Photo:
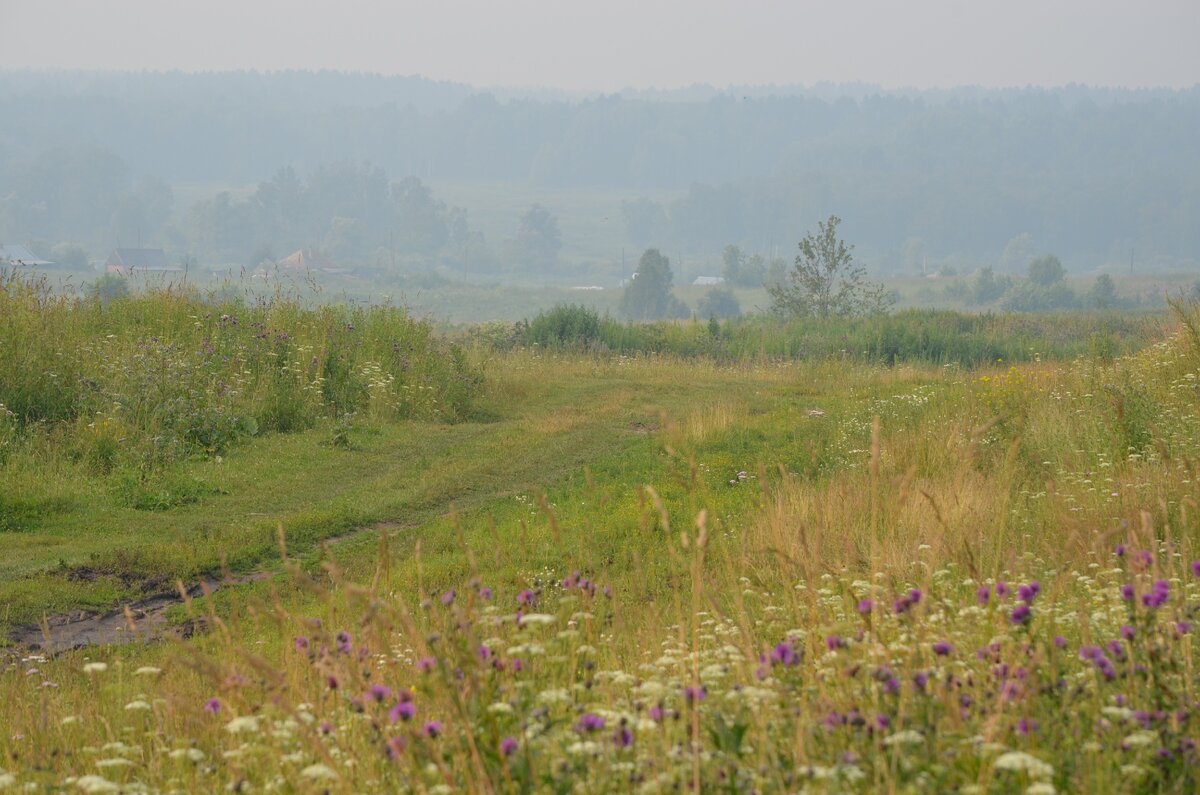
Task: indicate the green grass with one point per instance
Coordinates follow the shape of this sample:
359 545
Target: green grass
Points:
727 517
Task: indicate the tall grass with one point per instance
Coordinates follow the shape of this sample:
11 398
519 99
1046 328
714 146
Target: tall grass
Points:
914 336
991 589
132 385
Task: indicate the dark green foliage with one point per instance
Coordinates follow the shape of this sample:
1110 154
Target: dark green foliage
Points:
648 294
564 326
1046 271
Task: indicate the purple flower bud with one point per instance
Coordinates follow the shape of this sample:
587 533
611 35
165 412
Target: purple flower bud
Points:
1196 567
914 596
485 593
1060 642
1120 550
396 746
589 722
1020 614
1001 590
344 642
433 728
379 693
865 606
983 594
426 664
693 695
1127 592
657 714
834 642
1127 632
212 706
404 710
943 649
623 737
301 643
508 746
525 597
448 597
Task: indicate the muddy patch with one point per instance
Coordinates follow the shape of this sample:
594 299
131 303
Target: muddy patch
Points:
144 621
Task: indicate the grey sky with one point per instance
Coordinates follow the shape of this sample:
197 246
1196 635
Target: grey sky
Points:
617 43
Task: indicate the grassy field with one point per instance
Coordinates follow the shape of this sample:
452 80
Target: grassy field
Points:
640 573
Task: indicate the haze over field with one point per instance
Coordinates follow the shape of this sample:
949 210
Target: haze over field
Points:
550 143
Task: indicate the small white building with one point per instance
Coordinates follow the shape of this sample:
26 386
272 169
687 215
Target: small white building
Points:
708 281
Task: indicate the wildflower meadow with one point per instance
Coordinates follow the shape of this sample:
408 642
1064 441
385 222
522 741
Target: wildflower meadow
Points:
587 571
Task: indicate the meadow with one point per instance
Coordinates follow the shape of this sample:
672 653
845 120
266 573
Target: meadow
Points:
584 566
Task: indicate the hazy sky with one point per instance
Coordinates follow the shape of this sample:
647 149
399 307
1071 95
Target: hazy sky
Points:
611 44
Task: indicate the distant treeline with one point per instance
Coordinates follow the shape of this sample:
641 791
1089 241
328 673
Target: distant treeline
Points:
1094 176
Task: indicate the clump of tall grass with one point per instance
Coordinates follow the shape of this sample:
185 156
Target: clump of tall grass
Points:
151 378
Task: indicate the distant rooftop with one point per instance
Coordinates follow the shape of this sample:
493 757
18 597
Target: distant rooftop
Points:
15 252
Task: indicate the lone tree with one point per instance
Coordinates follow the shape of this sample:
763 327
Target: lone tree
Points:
825 281
648 296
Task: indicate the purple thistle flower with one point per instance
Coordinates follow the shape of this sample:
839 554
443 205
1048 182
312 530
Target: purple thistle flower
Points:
485 593
1026 593
332 681
1144 558
657 714
1060 642
834 642
378 693
921 680
525 597
784 654
1183 627
1127 632
301 643
882 722
433 729
426 664
983 594
943 649
865 606
212 706
623 737
1127 592
1119 551
694 694
589 722
396 746
1001 590
404 710
1089 652
1196 567
518 664
326 727
914 596
448 597
344 642
508 746
1020 614
891 685
1027 727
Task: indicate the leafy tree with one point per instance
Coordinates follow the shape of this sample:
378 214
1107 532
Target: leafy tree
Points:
987 287
648 295
826 282
1046 271
538 239
741 270
70 255
719 303
1103 294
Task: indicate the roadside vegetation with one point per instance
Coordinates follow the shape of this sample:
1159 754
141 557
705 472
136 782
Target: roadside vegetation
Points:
836 567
